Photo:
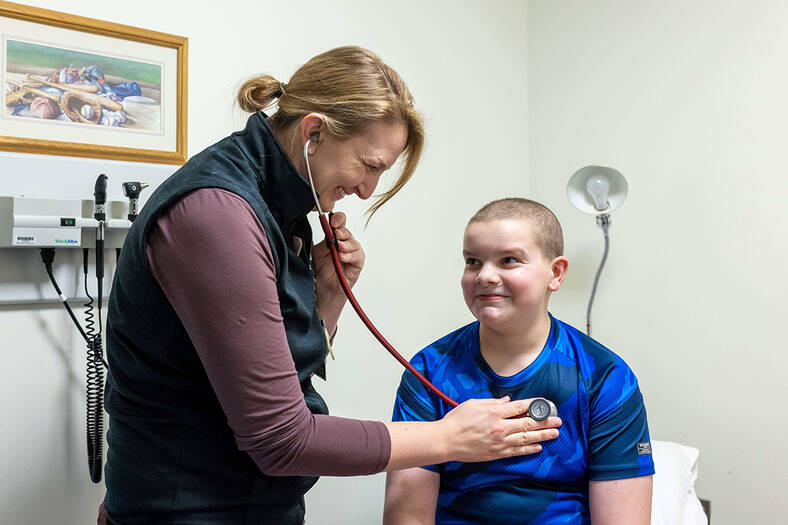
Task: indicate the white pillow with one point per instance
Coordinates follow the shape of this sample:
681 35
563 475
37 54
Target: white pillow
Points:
693 512
674 501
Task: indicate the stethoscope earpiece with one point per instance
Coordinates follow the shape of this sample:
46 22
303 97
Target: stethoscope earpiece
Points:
314 138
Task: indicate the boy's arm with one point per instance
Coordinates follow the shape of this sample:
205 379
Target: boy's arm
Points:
411 497
620 464
620 501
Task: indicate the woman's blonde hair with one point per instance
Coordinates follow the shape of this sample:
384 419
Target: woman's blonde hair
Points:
351 86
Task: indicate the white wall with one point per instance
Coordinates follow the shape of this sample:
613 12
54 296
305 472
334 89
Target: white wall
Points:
688 100
464 62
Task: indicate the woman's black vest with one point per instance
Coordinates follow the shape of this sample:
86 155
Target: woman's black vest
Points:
171 455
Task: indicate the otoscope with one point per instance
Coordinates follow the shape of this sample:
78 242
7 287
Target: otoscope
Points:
132 191
539 409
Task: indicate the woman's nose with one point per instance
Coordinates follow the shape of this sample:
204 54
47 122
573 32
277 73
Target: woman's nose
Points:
367 187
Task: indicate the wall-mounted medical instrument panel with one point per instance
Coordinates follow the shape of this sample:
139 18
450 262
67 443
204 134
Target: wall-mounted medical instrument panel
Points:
59 223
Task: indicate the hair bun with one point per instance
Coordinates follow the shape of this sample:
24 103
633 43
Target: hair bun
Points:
259 92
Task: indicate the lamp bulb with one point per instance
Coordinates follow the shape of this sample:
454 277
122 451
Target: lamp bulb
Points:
598 187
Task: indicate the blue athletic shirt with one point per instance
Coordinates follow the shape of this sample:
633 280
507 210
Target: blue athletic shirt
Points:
604 435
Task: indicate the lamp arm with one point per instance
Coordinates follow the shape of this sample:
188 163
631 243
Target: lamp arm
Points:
603 220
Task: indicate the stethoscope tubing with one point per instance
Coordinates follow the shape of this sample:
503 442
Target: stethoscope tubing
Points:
332 243
332 246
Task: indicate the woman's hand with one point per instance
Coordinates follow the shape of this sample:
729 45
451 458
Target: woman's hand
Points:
477 430
489 429
330 296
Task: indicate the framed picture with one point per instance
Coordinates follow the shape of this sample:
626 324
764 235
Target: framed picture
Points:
88 88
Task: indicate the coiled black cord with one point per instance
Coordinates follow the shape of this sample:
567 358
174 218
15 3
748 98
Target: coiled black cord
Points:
95 372
89 324
95 383
95 409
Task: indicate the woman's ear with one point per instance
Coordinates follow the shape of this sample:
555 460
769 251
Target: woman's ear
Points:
558 268
310 128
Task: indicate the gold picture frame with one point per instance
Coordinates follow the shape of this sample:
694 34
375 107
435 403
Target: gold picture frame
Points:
83 87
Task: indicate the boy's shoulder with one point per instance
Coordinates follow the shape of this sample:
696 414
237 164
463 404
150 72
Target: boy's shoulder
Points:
450 345
602 370
584 349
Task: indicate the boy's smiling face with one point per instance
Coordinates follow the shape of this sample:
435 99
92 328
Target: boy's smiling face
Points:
507 278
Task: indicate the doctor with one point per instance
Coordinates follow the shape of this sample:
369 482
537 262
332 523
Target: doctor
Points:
222 307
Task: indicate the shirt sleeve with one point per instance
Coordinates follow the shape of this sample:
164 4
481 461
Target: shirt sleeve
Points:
619 442
210 255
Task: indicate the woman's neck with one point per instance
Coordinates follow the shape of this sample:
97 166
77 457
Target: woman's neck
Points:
286 137
508 351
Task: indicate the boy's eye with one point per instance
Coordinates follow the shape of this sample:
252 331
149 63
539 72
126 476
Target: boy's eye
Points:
470 261
511 260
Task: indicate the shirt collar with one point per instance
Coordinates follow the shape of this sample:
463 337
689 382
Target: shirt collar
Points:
282 187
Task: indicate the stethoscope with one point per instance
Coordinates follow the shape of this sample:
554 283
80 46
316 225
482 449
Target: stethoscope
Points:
539 409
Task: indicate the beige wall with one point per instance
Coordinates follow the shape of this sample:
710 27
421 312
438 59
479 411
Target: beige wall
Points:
688 100
465 63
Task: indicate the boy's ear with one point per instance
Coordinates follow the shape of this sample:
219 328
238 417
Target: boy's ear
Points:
558 268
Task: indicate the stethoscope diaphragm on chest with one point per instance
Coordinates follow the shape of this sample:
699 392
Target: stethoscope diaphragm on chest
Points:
541 408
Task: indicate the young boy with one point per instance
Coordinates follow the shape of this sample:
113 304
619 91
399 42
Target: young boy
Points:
599 468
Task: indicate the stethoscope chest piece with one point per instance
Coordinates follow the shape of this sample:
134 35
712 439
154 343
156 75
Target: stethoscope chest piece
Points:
541 408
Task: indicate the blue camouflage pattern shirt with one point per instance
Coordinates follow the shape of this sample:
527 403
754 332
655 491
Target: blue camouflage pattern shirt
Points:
604 435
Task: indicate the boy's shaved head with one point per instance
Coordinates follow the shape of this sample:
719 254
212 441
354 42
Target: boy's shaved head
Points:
549 236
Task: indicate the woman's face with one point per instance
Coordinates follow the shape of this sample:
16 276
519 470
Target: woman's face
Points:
354 165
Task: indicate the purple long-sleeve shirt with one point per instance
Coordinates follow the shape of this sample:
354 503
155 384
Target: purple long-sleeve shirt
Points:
210 254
